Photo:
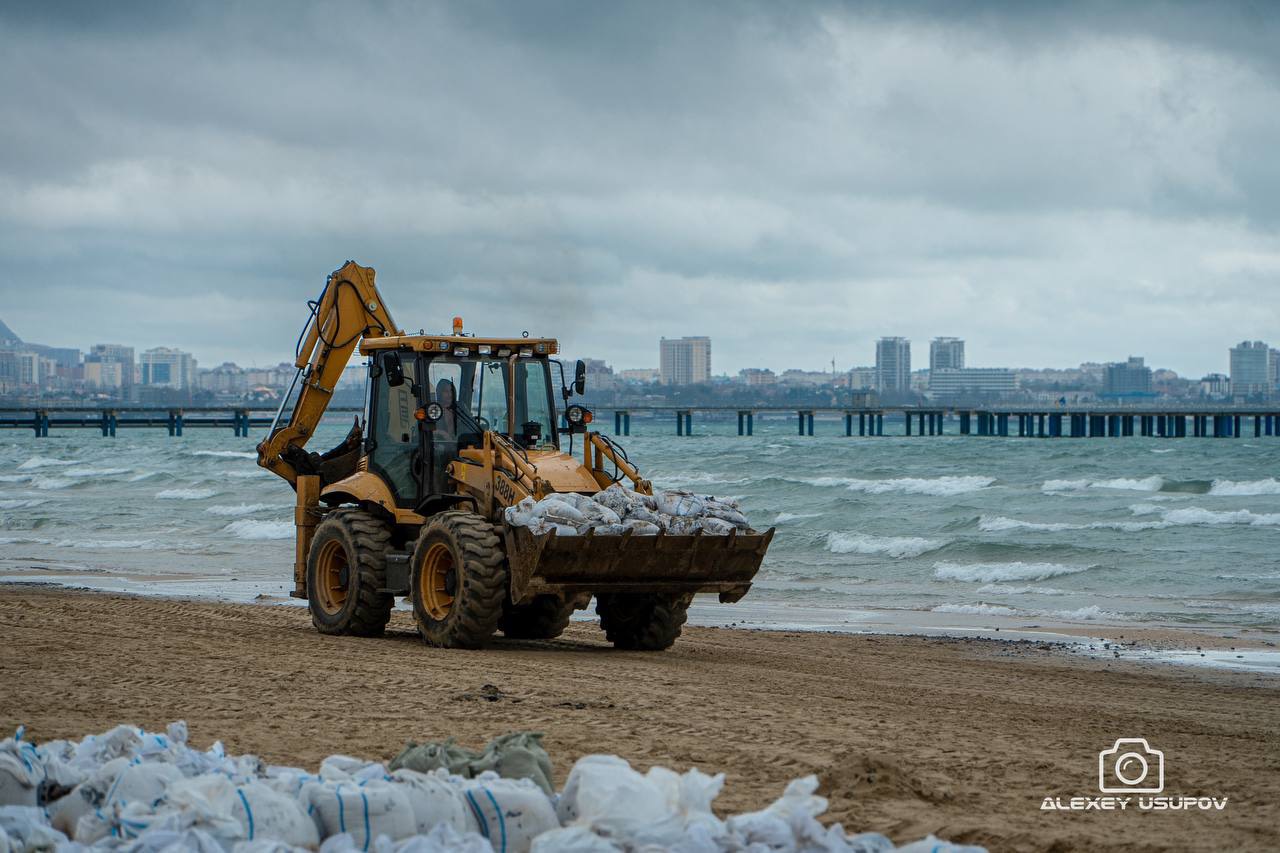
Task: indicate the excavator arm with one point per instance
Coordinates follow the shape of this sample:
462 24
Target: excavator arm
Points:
348 310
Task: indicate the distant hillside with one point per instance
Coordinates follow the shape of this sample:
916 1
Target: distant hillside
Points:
7 335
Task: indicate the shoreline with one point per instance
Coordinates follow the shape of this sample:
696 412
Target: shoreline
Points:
1245 649
909 735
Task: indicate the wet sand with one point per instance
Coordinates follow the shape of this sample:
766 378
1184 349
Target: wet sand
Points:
909 735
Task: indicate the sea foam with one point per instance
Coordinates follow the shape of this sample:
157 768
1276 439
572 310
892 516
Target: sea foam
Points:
225 454
185 494
890 546
43 462
249 528
993 572
976 609
1246 488
935 486
240 509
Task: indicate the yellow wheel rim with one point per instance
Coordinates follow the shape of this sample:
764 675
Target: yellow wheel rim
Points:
333 576
435 578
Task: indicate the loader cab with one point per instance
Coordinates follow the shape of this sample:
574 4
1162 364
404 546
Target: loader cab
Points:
424 408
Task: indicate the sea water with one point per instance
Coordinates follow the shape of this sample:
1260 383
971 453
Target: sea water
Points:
1171 532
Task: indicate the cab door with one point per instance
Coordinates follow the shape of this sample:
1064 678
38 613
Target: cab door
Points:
394 438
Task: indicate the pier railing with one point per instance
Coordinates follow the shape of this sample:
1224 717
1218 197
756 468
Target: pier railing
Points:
239 419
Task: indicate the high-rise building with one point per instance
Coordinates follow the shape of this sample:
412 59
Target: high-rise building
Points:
684 361
862 378
958 381
893 364
1130 378
1251 369
946 354
163 367
110 367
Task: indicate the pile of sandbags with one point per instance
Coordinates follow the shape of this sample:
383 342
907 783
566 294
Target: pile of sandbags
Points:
131 791
618 509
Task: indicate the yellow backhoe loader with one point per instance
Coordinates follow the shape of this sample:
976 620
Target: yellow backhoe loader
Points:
457 428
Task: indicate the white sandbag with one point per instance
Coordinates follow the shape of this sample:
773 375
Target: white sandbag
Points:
434 800
573 839
444 839
716 526
689 797
21 772
344 768
604 788
118 783
268 814
364 810
641 528
174 841
509 812
680 503
24 828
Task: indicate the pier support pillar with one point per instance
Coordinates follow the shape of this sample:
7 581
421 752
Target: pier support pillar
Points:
173 417
862 423
848 424
1257 426
906 423
965 424
879 423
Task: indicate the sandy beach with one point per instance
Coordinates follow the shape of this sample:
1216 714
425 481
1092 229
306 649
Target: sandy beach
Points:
909 735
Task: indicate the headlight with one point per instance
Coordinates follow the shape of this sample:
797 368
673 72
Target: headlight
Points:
434 411
526 353
574 414
461 352
484 349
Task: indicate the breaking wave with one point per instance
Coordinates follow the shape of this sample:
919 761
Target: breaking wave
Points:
785 517
43 462
993 572
1248 488
21 503
936 486
976 609
240 509
248 528
225 454
185 494
891 546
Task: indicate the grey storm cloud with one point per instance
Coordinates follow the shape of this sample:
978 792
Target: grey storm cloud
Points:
1055 183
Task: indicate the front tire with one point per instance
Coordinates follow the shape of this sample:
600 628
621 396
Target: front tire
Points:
543 618
648 622
458 581
346 568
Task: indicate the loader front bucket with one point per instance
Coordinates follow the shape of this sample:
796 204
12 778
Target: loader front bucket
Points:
567 565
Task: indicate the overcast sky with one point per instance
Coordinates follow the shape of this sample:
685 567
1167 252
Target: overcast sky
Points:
1078 182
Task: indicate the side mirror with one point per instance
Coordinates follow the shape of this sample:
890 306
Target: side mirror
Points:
395 370
580 377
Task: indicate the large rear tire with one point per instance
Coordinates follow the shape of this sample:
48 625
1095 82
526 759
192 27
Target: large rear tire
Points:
648 622
346 567
543 618
458 580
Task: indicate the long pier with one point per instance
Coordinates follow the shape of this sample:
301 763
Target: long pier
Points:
1071 422
175 419
1090 422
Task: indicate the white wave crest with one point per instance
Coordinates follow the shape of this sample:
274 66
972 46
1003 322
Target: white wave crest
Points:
95 472
1146 484
252 529
976 609
51 484
225 454
993 572
185 494
784 517
43 462
240 509
1002 589
21 503
936 486
1197 515
1246 488
1092 613
891 546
